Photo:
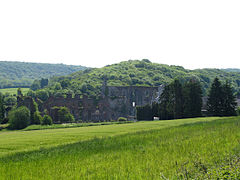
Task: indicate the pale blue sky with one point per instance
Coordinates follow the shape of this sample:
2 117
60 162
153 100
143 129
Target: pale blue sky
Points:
190 33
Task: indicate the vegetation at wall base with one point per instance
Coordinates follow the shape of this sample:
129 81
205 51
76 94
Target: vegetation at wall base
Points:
192 150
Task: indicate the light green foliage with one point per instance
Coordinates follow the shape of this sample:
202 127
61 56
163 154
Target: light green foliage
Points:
47 120
19 118
171 149
139 73
122 119
13 91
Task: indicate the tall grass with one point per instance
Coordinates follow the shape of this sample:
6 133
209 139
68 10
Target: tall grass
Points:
18 141
187 151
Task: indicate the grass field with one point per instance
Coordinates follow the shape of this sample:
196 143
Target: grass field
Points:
13 91
188 148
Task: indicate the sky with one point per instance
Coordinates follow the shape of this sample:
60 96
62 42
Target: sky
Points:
94 33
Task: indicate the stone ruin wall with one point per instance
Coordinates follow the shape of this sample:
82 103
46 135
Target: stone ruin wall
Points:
114 102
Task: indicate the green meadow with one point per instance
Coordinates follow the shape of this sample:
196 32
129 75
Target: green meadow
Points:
13 91
198 148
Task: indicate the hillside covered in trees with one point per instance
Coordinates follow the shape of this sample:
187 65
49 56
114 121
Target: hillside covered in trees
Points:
20 74
137 73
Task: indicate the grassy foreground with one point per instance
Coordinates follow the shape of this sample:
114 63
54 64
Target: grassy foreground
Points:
189 148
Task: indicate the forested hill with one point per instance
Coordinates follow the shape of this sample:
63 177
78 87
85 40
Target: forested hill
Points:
137 73
15 74
232 70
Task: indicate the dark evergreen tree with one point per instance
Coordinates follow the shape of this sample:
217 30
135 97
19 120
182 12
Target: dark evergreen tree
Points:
144 112
178 99
229 100
171 101
215 99
2 109
192 99
165 104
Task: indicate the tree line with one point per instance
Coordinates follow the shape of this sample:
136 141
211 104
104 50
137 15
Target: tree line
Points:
184 100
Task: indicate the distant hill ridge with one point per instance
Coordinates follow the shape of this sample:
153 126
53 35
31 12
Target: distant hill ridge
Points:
20 74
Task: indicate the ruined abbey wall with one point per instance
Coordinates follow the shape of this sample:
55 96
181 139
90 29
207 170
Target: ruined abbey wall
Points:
114 102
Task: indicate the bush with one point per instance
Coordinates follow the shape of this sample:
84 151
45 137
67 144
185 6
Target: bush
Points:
47 120
122 119
37 118
19 118
64 115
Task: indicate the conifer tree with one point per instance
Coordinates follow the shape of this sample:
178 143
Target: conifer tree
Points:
178 99
192 99
215 99
229 100
1 108
171 101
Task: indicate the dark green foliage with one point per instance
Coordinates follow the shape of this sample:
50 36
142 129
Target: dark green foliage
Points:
178 101
64 115
19 118
31 93
122 119
21 74
43 82
166 104
144 112
221 100
37 118
215 99
42 94
47 120
155 109
19 92
171 101
65 83
192 99
229 100
2 109
238 111
35 85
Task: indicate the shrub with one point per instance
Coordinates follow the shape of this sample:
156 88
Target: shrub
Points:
47 120
122 119
19 118
64 115
37 118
